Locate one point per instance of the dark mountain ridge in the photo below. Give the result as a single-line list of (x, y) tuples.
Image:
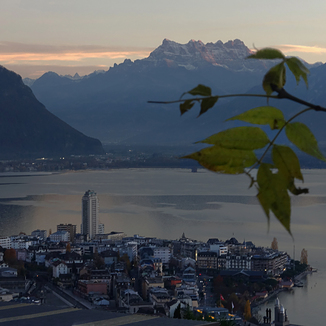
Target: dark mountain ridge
[(27, 129)]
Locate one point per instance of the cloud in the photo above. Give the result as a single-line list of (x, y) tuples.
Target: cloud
[(35, 71), (301, 48), (33, 60), (20, 53), (308, 53)]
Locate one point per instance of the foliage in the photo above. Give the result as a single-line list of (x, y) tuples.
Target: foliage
[(10, 256), (272, 282), (187, 313), (304, 257), (232, 302), (256, 320), (247, 310), (298, 269), (98, 261), (177, 312), (227, 322), (135, 263), (218, 283), (74, 268), (233, 151), (126, 260), (19, 265), (274, 244)]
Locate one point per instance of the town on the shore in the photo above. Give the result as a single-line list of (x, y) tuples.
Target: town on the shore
[(183, 278)]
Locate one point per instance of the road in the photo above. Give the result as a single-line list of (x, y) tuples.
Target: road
[(49, 294)]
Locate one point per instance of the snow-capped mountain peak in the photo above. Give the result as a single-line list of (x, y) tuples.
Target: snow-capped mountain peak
[(195, 53)]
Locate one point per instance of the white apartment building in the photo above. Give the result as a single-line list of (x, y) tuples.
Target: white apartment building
[(20, 244), (130, 248), (69, 228), (39, 233), (5, 242), (164, 253), (238, 262), (58, 236), (59, 268), (220, 248)]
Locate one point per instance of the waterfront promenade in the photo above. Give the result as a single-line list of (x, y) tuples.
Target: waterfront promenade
[(276, 292), (304, 274)]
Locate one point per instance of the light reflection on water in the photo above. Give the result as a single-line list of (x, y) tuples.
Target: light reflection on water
[(167, 202)]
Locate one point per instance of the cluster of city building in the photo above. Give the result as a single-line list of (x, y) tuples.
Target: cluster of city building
[(115, 158), (137, 273)]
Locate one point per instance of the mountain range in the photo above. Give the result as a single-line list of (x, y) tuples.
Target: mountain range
[(27, 129), (113, 105)]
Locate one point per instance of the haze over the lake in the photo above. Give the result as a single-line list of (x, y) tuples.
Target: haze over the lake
[(82, 36)]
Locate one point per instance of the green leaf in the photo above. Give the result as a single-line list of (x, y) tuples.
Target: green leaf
[(276, 76), (201, 90), (244, 138), (265, 202), (267, 53), (298, 69), (224, 160), (264, 175), (273, 195), (207, 103), (287, 162), (301, 136), (263, 115), (186, 106)]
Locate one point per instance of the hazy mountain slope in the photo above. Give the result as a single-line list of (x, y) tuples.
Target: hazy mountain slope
[(113, 107), (28, 129)]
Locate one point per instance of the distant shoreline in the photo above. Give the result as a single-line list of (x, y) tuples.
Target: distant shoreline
[(25, 174)]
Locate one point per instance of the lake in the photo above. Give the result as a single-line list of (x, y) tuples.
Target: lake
[(164, 203)]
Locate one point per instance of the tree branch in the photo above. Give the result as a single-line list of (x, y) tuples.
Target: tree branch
[(283, 94), (205, 97), (278, 133)]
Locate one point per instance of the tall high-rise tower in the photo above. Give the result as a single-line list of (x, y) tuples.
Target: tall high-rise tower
[(90, 219)]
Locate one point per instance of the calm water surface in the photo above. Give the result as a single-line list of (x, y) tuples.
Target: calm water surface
[(167, 202)]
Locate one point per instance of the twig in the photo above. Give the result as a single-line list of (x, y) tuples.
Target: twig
[(283, 94), (221, 96)]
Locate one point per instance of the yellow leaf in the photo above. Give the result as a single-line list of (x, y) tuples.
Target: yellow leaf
[(273, 195), (246, 138), (224, 160), (263, 115)]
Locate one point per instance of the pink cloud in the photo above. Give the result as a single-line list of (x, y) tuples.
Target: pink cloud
[(17, 53), (288, 48), (301, 48)]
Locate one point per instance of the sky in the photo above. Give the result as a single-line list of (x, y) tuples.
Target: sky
[(80, 36)]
